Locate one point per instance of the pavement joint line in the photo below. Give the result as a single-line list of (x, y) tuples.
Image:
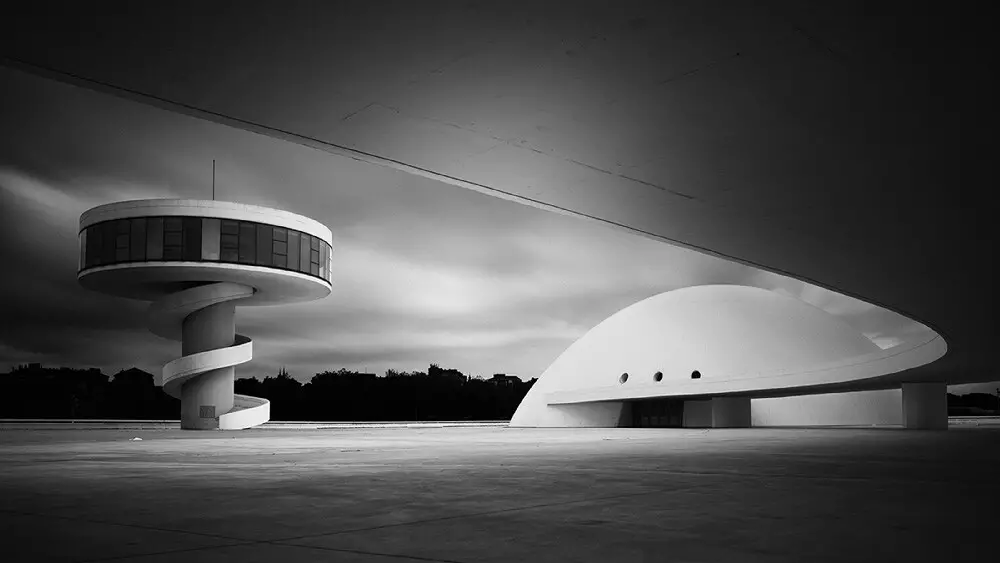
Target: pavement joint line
[(282, 541), (258, 542), (375, 553), (729, 474), (123, 524), (167, 552), (478, 514), (738, 474)]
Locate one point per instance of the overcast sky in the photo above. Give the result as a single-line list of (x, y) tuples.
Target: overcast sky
[(424, 272)]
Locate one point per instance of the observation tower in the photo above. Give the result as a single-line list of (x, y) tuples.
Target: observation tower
[(195, 261)]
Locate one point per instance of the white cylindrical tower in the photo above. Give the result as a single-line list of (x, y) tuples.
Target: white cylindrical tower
[(195, 261)]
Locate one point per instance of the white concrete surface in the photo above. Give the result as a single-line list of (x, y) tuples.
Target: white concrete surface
[(247, 412), (863, 408), (743, 341), (205, 208), (591, 415), (145, 280), (209, 393)]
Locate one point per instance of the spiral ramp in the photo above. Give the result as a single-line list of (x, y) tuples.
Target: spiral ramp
[(202, 318)]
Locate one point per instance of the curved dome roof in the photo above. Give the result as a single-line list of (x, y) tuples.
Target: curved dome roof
[(716, 329), (722, 331)]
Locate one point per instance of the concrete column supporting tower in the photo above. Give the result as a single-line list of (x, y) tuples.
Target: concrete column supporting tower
[(211, 394), (925, 406)]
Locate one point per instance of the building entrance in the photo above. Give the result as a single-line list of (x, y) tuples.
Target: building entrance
[(658, 413)]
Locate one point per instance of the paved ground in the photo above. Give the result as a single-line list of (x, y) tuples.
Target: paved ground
[(498, 494)]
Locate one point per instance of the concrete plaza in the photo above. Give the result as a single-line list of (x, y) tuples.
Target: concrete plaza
[(500, 494)]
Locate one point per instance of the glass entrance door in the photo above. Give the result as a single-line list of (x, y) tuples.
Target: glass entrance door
[(658, 413)]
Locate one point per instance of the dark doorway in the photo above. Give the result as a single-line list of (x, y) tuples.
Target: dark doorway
[(658, 413)]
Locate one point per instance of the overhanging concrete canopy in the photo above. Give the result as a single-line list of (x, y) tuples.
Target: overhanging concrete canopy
[(823, 143)]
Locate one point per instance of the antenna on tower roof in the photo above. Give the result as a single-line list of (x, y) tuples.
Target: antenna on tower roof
[(213, 179)]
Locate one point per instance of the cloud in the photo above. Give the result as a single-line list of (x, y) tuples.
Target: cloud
[(46, 314)]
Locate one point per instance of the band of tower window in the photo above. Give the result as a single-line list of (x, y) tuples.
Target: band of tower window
[(203, 239)]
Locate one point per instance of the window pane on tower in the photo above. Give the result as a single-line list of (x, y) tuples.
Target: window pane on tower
[(192, 238), (248, 243), (323, 259), (293, 250), (280, 244), (83, 250), (173, 238), (108, 236), (314, 244), (137, 246), (93, 246), (154, 238), (304, 253), (121, 240), (264, 236), (210, 239), (229, 241), (279, 247), (314, 256)]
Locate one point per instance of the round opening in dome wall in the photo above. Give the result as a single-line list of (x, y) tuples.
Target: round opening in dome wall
[(623, 378), (695, 374), (658, 376)]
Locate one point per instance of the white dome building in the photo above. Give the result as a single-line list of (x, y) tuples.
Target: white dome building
[(697, 356)]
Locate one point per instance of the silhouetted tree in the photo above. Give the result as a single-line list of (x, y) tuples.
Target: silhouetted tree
[(133, 394), (972, 404), (437, 394), (32, 391)]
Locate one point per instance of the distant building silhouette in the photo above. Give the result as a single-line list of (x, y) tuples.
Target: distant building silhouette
[(504, 379)]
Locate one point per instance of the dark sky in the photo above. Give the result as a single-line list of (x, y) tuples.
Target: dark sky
[(424, 272)]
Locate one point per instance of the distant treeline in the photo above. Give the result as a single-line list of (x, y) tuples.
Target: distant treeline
[(437, 394), (973, 404), (33, 391)]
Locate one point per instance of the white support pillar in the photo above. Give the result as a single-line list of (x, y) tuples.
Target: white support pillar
[(925, 406), (731, 412), (698, 414)]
